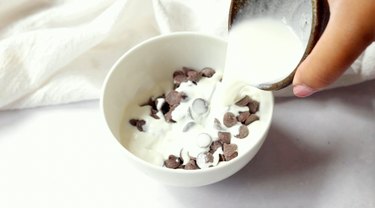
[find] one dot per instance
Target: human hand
(351, 28)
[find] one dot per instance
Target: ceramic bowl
(137, 75)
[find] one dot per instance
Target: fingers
(347, 34)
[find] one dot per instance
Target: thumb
(349, 31)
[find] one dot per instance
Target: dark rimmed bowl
(308, 18)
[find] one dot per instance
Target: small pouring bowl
(308, 19)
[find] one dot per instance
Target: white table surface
(320, 152)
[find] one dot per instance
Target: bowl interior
(147, 69)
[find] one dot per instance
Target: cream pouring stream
(260, 52)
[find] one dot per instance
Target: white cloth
(59, 51)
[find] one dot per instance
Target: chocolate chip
(229, 119)
(140, 124)
(253, 106)
(224, 137)
(207, 72)
(191, 165)
(173, 162)
(243, 132)
(215, 145)
(229, 150)
(137, 123)
(192, 74)
(165, 108)
(173, 98)
(184, 96)
(244, 101)
(251, 119)
(154, 106)
(153, 114)
(209, 157)
(179, 77)
(133, 122)
(230, 157)
(242, 117)
(221, 158)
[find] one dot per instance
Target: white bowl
(135, 77)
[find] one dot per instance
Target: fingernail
(302, 90)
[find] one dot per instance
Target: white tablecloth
(320, 152)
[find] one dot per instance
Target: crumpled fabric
(59, 51)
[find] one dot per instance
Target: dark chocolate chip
(215, 145)
(229, 151)
(179, 77)
(153, 114)
(165, 108)
(243, 132)
(140, 124)
(184, 96)
(221, 158)
(224, 137)
(137, 123)
(192, 74)
(153, 103)
(229, 119)
(191, 165)
(244, 101)
(173, 162)
(253, 106)
(251, 119)
(207, 72)
(230, 157)
(173, 98)
(209, 157)
(133, 122)
(242, 117)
